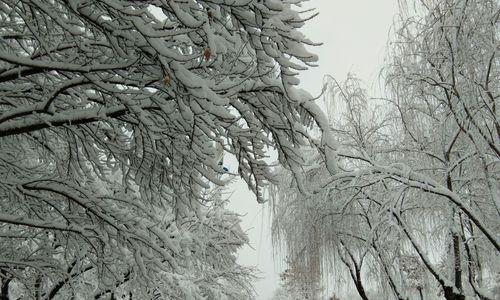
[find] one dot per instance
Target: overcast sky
(354, 35)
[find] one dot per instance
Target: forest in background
(116, 117)
(413, 210)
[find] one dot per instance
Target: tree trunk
(420, 293)
(457, 263)
(356, 273)
(5, 281)
(449, 294)
(359, 285)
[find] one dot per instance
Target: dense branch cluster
(111, 114)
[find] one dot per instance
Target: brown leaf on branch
(207, 53)
(167, 79)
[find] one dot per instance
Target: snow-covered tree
(444, 80)
(413, 209)
(112, 117)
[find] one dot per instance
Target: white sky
(354, 34)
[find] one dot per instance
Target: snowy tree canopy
(111, 114)
(156, 95)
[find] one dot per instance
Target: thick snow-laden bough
(110, 113)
